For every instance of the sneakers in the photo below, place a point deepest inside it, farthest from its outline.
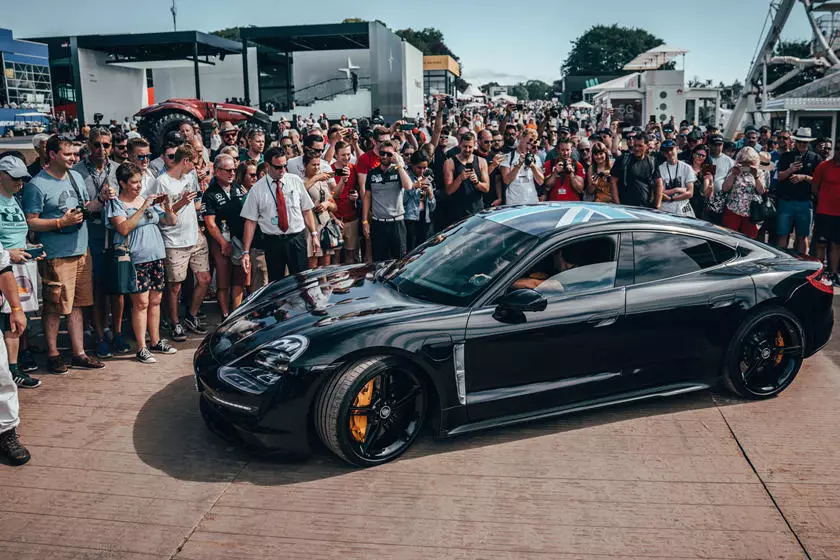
(178, 334)
(193, 324)
(145, 357)
(56, 365)
(120, 345)
(85, 361)
(11, 447)
(24, 381)
(26, 361)
(103, 349)
(162, 347)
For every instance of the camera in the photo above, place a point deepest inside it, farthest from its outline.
(675, 183)
(529, 159)
(450, 103)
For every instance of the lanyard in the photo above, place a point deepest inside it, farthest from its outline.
(92, 172)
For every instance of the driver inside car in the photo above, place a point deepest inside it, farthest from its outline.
(542, 275)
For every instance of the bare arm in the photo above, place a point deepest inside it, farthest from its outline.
(483, 184)
(657, 195)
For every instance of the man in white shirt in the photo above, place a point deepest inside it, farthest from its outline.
(282, 208)
(522, 171)
(186, 247)
(314, 142)
(723, 163)
(139, 153)
(676, 182)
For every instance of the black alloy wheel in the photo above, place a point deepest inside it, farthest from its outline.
(766, 354)
(372, 412)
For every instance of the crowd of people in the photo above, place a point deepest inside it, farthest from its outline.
(103, 231)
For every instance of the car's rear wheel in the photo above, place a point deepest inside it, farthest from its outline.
(765, 354)
(371, 412)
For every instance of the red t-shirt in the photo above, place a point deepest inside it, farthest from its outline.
(366, 162)
(562, 188)
(346, 208)
(827, 174)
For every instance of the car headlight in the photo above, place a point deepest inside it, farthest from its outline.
(259, 370)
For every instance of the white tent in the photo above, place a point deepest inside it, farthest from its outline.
(471, 92)
(582, 105)
(504, 98)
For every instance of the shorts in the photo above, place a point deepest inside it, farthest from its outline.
(826, 228)
(259, 269)
(67, 283)
(794, 214)
(236, 277)
(180, 259)
(351, 235)
(150, 276)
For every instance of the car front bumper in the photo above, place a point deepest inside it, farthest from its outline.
(275, 421)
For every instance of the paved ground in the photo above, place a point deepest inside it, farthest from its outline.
(123, 468)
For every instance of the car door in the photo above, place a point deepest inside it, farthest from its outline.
(683, 305)
(520, 362)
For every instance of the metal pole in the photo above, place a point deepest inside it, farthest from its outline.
(77, 79)
(195, 69)
(246, 83)
(290, 93)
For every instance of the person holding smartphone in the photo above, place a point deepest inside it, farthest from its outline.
(13, 230)
(419, 202)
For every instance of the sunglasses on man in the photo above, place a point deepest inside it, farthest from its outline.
(280, 167)
(144, 157)
(102, 145)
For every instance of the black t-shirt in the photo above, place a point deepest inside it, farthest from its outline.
(225, 207)
(467, 200)
(636, 179)
(788, 190)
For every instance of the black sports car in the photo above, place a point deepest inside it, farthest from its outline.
(514, 314)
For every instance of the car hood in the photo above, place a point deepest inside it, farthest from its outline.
(313, 303)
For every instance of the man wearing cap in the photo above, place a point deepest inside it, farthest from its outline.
(795, 210)
(723, 165)
(13, 232)
(282, 207)
(229, 134)
(692, 140)
(750, 139)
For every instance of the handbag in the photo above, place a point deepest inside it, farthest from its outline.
(762, 210)
(717, 202)
(119, 268)
(331, 236)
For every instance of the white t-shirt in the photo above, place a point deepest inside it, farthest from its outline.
(672, 175)
(185, 231)
(523, 189)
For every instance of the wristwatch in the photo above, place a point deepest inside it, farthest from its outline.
(313, 233)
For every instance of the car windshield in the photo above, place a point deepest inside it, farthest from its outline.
(453, 267)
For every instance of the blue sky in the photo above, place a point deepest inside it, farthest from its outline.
(503, 41)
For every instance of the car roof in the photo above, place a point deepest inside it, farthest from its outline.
(547, 218)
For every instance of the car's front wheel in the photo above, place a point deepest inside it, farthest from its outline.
(765, 354)
(371, 412)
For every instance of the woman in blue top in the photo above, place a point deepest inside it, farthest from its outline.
(419, 203)
(134, 219)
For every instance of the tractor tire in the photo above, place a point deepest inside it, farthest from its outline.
(157, 127)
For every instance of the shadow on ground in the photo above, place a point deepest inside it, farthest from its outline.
(169, 434)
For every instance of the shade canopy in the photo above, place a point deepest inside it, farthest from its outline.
(654, 58)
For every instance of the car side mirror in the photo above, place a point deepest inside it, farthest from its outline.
(522, 300)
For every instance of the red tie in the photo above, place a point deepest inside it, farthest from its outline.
(282, 217)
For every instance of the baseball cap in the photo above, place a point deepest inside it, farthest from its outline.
(174, 138)
(716, 139)
(667, 144)
(695, 135)
(563, 129)
(750, 128)
(14, 167)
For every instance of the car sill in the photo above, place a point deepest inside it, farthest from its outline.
(666, 391)
(490, 395)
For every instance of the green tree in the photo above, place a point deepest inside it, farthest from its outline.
(799, 49)
(231, 33)
(519, 91)
(429, 41)
(352, 20)
(605, 49)
(537, 89)
(485, 88)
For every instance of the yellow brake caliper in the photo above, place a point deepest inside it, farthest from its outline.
(358, 423)
(780, 343)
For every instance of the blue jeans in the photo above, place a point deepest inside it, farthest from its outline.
(794, 214)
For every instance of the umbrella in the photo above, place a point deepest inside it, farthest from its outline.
(581, 105)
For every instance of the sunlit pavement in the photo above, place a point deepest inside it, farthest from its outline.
(123, 467)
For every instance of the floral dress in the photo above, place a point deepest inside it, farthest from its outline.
(741, 195)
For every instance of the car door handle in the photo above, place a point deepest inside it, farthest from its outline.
(603, 319)
(721, 301)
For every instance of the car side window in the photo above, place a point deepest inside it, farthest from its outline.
(723, 253)
(575, 267)
(665, 255)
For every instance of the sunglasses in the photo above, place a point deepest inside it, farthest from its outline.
(144, 157)
(278, 167)
(229, 133)
(252, 175)
(700, 155)
(121, 146)
(227, 169)
(105, 145)
(584, 150)
(170, 156)
(386, 154)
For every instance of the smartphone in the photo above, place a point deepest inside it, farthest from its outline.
(468, 166)
(746, 169)
(35, 252)
(653, 119)
(406, 126)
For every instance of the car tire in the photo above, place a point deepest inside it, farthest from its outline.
(332, 413)
(157, 128)
(750, 347)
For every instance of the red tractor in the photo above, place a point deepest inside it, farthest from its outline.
(158, 120)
